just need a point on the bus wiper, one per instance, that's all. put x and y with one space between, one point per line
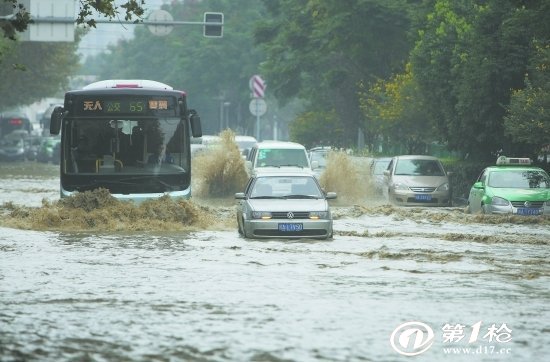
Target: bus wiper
95 183
152 179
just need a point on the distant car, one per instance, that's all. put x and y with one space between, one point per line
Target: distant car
245 143
511 187
12 149
417 181
14 123
32 145
318 158
376 172
290 205
46 150
278 156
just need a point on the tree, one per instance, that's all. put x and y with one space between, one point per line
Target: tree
468 58
528 117
316 129
321 51
36 70
394 112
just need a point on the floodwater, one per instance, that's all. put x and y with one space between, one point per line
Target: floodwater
129 289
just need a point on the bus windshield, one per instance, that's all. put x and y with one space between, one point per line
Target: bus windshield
125 146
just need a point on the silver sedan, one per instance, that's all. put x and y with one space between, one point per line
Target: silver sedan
284 205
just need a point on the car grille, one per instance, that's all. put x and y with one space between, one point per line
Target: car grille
273 232
296 215
532 204
422 189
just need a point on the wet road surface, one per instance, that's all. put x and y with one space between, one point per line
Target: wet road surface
209 295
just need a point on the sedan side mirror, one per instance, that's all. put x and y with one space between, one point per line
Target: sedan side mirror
331 195
386 172
240 196
478 185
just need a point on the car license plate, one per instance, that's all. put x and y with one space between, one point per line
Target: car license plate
526 211
423 197
286 227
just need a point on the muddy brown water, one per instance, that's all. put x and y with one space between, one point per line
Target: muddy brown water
140 284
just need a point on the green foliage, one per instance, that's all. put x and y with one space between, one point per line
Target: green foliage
464 174
323 50
394 112
34 70
528 118
316 129
467 59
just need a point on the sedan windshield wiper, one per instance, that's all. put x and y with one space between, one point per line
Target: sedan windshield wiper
266 197
301 197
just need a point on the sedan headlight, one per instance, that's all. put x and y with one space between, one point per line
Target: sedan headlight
315 215
499 201
400 187
261 215
444 187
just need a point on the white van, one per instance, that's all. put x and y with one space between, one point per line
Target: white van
277 156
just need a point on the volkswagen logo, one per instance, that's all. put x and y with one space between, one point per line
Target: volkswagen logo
290 215
527 204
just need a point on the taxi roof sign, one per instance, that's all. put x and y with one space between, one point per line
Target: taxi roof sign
503 160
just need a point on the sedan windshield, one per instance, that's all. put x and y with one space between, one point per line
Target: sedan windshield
419 167
520 179
285 187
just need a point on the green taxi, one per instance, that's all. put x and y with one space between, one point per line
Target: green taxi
513 186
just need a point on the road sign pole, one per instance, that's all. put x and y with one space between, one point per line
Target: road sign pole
257 120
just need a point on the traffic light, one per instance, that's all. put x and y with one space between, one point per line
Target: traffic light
213 31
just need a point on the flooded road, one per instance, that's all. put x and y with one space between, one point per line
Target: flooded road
480 284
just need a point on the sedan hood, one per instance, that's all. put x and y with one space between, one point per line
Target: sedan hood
275 205
511 194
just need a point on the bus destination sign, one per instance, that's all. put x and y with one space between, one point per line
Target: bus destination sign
127 105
